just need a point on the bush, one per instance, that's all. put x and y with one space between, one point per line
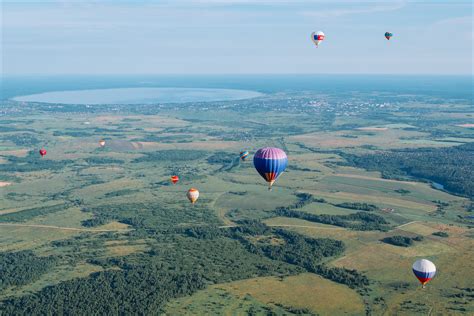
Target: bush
358 206
441 234
401 241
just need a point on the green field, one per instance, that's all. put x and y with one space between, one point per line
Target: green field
100 211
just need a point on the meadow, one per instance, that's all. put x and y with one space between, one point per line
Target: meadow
111 214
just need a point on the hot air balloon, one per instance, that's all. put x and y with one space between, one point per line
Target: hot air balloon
424 270
42 152
243 155
101 143
388 35
317 37
174 179
193 195
270 162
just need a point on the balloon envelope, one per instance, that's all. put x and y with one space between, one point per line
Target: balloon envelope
270 162
174 179
424 270
317 37
388 35
42 152
243 155
102 143
193 195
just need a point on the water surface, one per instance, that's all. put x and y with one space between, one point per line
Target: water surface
139 96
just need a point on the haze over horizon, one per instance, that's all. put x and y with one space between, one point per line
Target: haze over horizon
235 37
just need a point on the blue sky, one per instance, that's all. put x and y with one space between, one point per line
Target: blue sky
235 36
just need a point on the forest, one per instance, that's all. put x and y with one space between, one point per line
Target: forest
142 283
22 139
453 167
22 267
307 253
139 291
33 212
32 163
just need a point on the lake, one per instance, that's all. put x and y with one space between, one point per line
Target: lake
139 96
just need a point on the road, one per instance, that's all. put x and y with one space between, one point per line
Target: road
407 224
289 225
91 230
315 227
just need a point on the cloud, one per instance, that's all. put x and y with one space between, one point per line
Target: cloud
458 21
461 25
331 13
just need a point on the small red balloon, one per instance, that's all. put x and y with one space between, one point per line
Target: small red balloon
42 152
174 179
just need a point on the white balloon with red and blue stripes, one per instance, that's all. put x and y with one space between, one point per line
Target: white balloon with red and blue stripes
424 270
317 37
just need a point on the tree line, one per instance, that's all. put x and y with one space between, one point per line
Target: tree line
356 221
32 162
453 167
296 249
141 291
142 283
358 206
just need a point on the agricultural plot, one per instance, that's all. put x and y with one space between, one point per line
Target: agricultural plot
111 215
305 293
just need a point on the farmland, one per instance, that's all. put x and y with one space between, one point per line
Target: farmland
111 216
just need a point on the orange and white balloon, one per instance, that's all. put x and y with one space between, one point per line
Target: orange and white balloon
193 195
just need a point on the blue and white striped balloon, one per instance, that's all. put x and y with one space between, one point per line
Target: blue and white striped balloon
424 270
270 162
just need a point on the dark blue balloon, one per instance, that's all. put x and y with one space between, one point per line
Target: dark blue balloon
270 163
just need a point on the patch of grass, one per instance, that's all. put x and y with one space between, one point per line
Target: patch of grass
302 291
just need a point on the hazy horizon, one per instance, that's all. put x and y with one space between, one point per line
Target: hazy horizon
236 74
21 85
